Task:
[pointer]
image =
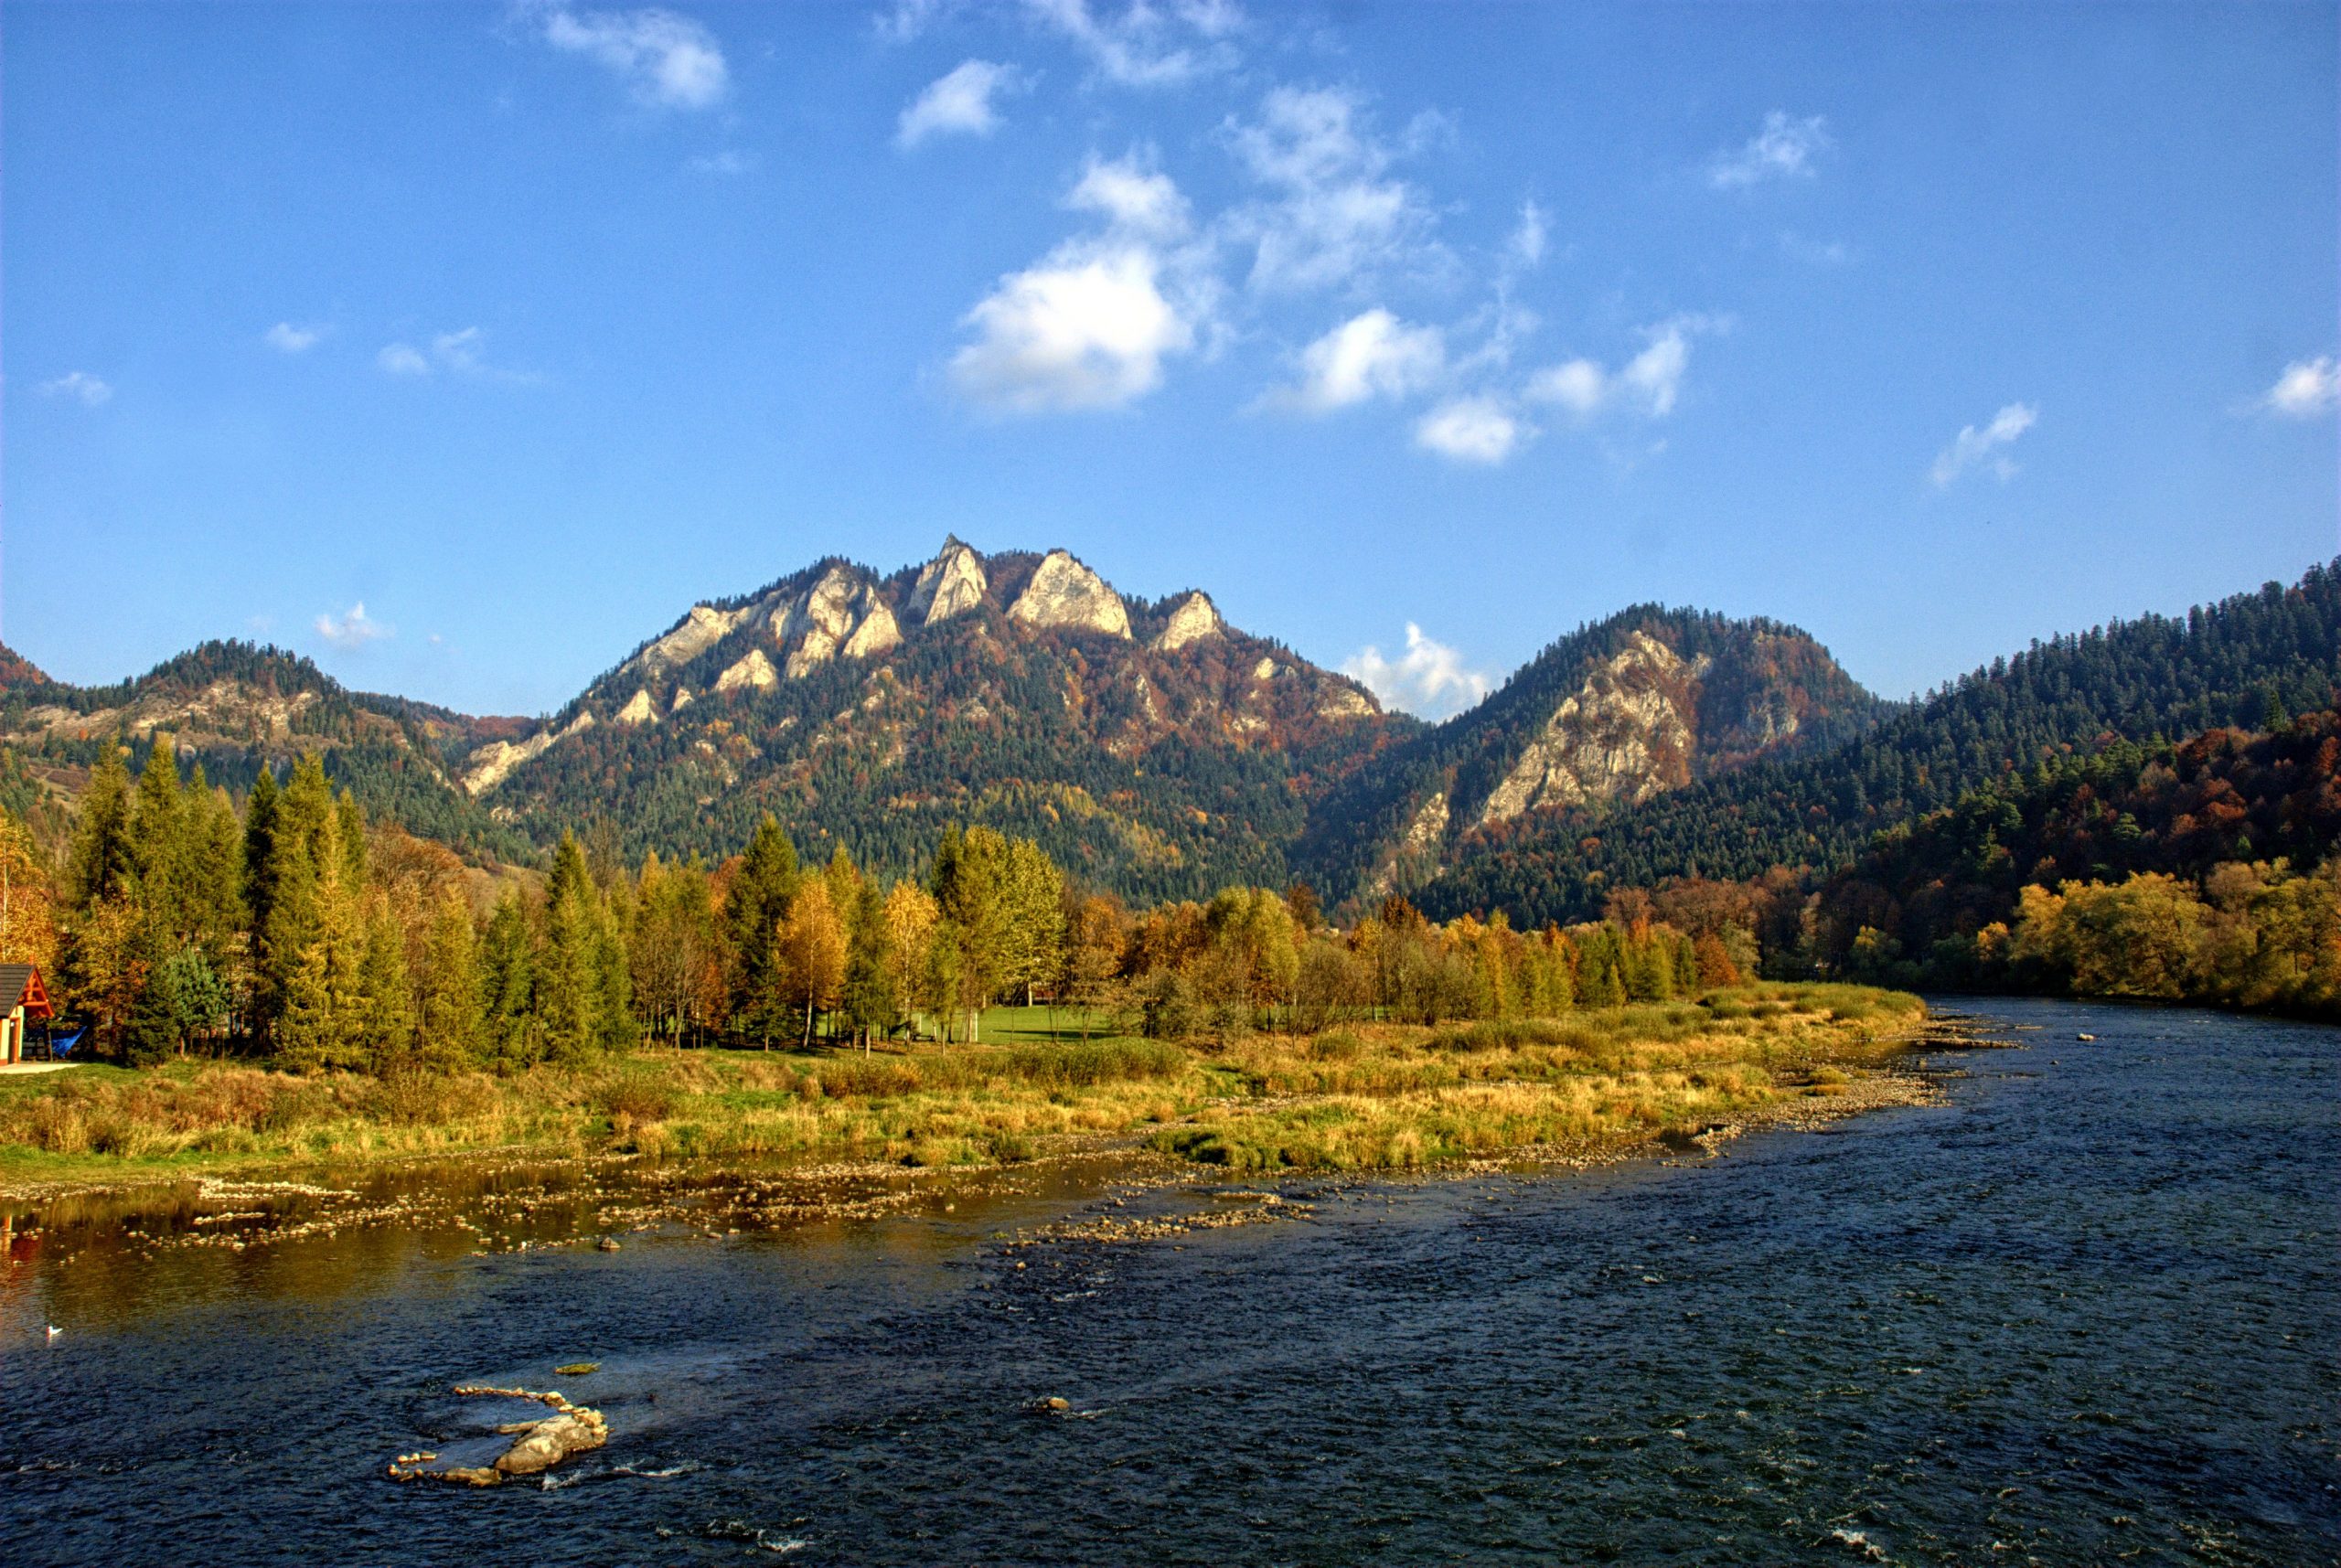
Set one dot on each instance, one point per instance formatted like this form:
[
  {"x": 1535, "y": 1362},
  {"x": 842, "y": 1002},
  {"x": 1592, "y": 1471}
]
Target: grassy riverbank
[{"x": 1362, "y": 1097}]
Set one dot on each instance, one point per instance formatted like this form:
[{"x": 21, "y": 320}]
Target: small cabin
[{"x": 23, "y": 997}]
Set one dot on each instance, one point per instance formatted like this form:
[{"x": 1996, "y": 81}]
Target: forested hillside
[
  {"x": 235, "y": 707},
  {"x": 2201, "y": 870},
  {"x": 2240, "y": 661},
  {"x": 1615, "y": 714},
  {"x": 1147, "y": 746}
]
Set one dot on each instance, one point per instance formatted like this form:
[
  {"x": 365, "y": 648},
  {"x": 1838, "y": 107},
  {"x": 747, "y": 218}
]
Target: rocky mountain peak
[
  {"x": 1193, "y": 619},
  {"x": 1065, "y": 594},
  {"x": 952, "y": 582}
]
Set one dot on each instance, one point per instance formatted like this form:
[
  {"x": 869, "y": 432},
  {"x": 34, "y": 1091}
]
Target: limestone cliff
[
  {"x": 1624, "y": 734},
  {"x": 1194, "y": 619},
  {"x": 950, "y": 584},
  {"x": 1066, "y": 595}
]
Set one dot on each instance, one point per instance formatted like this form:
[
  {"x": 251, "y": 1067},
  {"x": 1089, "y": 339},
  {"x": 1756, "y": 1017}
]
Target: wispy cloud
[
  {"x": 287, "y": 338},
  {"x": 959, "y": 104},
  {"x": 1986, "y": 444},
  {"x": 727, "y": 163},
  {"x": 1479, "y": 429},
  {"x": 2307, "y": 387},
  {"x": 458, "y": 353},
  {"x": 78, "y": 385},
  {"x": 1337, "y": 217},
  {"x": 666, "y": 60},
  {"x": 1648, "y": 384},
  {"x": 1147, "y": 44},
  {"x": 1428, "y": 680},
  {"x": 1089, "y": 325},
  {"x": 1525, "y": 248},
  {"x": 1373, "y": 354},
  {"x": 353, "y": 630},
  {"x": 1784, "y": 149},
  {"x": 909, "y": 20}
]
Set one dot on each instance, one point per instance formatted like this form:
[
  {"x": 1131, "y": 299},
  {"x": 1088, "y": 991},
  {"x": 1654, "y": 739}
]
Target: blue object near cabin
[{"x": 58, "y": 1048}]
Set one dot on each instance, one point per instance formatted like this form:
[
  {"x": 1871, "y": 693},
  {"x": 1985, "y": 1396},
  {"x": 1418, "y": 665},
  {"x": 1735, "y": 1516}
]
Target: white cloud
[
  {"x": 1973, "y": 446},
  {"x": 959, "y": 104},
  {"x": 402, "y": 359},
  {"x": 1087, "y": 328},
  {"x": 1471, "y": 429},
  {"x": 287, "y": 338},
  {"x": 1338, "y": 214},
  {"x": 2307, "y": 387},
  {"x": 1132, "y": 196},
  {"x": 1526, "y": 247},
  {"x": 1649, "y": 384},
  {"x": 1783, "y": 149},
  {"x": 1370, "y": 354},
  {"x": 1148, "y": 45},
  {"x": 353, "y": 630},
  {"x": 81, "y": 386},
  {"x": 666, "y": 62},
  {"x": 1429, "y": 678}
]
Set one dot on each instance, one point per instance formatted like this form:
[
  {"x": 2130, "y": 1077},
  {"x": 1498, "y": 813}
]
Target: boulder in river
[{"x": 533, "y": 1445}]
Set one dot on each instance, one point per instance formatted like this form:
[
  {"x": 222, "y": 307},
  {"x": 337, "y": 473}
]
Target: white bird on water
[{"x": 53, "y": 1332}]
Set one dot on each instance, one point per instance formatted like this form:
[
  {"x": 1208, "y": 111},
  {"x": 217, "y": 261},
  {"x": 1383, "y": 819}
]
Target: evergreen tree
[
  {"x": 508, "y": 987},
  {"x": 103, "y": 861},
  {"x": 384, "y": 1026},
  {"x": 447, "y": 1012},
  {"x": 765, "y": 882}
]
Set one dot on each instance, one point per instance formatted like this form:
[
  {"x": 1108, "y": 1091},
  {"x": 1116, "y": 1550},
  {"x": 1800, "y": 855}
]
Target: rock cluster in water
[{"x": 536, "y": 1446}]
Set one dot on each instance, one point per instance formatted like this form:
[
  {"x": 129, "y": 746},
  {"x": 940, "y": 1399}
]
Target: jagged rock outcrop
[
  {"x": 952, "y": 582},
  {"x": 1626, "y": 733},
  {"x": 842, "y": 613},
  {"x": 1345, "y": 701},
  {"x": 1066, "y": 595},
  {"x": 699, "y": 631},
  {"x": 753, "y": 670},
  {"x": 638, "y": 710},
  {"x": 1413, "y": 858},
  {"x": 493, "y": 763},
  {"x": 1194, "y": 619}
]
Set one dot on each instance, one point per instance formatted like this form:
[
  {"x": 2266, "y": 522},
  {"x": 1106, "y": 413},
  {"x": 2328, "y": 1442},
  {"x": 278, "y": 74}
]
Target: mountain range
[{"x": 1155, "y": 750}]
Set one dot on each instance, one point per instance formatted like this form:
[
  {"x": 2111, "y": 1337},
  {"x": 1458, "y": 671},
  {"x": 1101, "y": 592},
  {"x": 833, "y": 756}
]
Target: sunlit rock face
[
  {"x": 1413, "y": 858},
  {"x": 753, "y": 671},
  {"x": 1065, "y": 595},
  {"x": 1194, "y": 619},
  {"x": 638, "y": 709},
  {"x": 841, "y": 613},
  {"x": 699, "y": 631},
  {"x": 493, "y": 763},
  {"x": 951, "y": 583},
  {"x": 1626, "y": 734}
]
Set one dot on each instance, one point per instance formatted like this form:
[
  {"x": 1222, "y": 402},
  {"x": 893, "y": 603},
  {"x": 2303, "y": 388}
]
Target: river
[{"x": 2083, "y": 1311}]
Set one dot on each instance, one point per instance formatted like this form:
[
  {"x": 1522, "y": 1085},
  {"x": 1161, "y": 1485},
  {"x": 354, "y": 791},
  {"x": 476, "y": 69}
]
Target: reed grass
[{"x": 1356, "y": 1097}]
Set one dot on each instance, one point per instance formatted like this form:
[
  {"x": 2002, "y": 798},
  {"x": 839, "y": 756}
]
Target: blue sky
[{"x": 1931, "y": 329}]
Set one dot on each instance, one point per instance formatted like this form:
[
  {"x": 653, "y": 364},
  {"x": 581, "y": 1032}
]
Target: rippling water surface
[{"x": 2084, "y": 1312}]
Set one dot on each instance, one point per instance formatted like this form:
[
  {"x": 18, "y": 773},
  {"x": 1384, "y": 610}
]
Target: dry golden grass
[{"x": 1363, "y": 1097}]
